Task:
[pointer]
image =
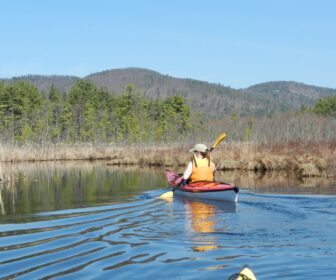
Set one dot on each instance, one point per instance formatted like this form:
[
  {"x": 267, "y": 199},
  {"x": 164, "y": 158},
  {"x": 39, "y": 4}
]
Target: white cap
[{"x": 199, "y": 148}]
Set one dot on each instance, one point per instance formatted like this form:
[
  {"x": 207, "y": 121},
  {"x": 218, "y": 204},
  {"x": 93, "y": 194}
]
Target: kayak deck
[
  {"x": 203, "y": 189},
  {"x": 204, "y": 186}
]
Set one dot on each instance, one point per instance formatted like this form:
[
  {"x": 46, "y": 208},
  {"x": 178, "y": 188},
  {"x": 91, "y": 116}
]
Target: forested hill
[
  {"x": 290, "y": 94},
  {"x": 44, "y": 83},
  {"x": 213, "y": 99}
]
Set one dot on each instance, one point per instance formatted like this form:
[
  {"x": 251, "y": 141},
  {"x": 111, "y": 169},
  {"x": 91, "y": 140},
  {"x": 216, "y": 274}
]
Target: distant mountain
[
  {"x": 43, "y": 83},
  {"x": 292, "y": 88},
  {"x": 290, "y": 94},
  {"x": 214, "y": 100}
]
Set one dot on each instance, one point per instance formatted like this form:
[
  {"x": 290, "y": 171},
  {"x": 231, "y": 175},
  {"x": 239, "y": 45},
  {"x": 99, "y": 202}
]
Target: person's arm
[
  {"x": 213, "y": 166},
  {"x": 188, "y": 171}
]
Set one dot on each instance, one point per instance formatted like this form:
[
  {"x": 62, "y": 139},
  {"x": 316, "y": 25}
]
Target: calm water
[{"x": 91, "y": 221}]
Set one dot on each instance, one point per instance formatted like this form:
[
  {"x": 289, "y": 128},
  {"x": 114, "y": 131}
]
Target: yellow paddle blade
[
  {"x": 219, "y": 139},
  {"x": 167, "y": 195}
]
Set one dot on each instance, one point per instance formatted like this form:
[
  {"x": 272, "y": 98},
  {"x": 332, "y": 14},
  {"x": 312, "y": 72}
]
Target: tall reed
[{"x": 310, "y": 158}]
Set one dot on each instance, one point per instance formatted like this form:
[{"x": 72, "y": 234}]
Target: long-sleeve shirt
[{"x": 188, "y": 171}]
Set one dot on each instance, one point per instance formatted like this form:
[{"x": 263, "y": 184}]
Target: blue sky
[{"x": 237, "y": 43}]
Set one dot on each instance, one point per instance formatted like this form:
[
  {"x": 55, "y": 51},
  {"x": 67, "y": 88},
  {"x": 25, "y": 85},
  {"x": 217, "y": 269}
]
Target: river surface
[{"x": 92, "y": 221}]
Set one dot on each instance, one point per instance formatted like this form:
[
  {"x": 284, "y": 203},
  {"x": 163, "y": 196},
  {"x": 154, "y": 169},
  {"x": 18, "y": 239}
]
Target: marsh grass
[{"x": 306, "y": 159}]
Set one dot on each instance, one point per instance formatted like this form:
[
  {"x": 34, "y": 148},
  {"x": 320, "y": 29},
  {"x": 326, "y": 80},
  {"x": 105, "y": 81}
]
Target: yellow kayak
[{"x": 244, "y": 274}]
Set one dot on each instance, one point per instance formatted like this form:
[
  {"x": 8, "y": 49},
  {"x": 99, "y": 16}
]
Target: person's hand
[{"x": 183, "y": 182}]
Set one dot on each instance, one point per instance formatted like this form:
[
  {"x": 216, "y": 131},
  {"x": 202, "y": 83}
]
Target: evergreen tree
[
  {"x": 326, "y": 106},
  {"x": 88, "y": 114},
  {"x": 18, "y": 104},
  {"x": 81, "y": 98}
]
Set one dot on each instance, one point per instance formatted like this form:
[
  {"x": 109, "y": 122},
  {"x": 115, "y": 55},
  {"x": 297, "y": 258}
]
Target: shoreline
[{"x": 313, "y": 160}]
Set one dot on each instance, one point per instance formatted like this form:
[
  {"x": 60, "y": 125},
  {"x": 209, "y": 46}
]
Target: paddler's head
[{"x": 200, "y": 150}]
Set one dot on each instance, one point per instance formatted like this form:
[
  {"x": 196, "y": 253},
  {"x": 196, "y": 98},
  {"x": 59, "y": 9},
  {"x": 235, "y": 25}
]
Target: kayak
[
  {"x": 245, "y": 273},
  {"x": 203, "y": 189}
]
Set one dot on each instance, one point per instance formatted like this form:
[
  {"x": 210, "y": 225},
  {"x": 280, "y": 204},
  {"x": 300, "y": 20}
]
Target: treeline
[
  {"x": 88, "y": 114},
  {"x": 310, "y": 124},
  {"x": 301, "y": 127}
]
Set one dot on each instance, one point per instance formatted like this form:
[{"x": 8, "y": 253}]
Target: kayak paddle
[{"x": 220, "y": 138}]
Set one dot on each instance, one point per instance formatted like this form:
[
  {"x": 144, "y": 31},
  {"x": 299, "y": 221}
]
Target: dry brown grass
[
  {"x": 306, "y": 159},
  {"x": 57, "y": 152}
]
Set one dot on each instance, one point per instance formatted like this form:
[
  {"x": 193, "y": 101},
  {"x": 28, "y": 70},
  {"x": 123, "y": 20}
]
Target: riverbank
[{"x": 305, "y": 159}]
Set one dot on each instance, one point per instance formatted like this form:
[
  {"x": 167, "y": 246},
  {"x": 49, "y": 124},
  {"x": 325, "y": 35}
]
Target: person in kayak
[{"x": 200, "y": 168}]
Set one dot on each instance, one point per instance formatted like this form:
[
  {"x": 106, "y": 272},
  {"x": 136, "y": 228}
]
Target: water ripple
[{"x": 149, "y": 238}]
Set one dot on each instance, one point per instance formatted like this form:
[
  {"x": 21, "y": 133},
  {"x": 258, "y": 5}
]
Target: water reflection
[
  {"x": 140, "y": 235},
  {"x": 201, "y": 217},
  {"x": 67, "y": 185},
  {"x": 57, "y": 186},
  {"x": 285, "y": 182},
  {"x": 2, "y": 207},
  {"x": 8, "y": 196},
  {"x": 201, "y": 214}
]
